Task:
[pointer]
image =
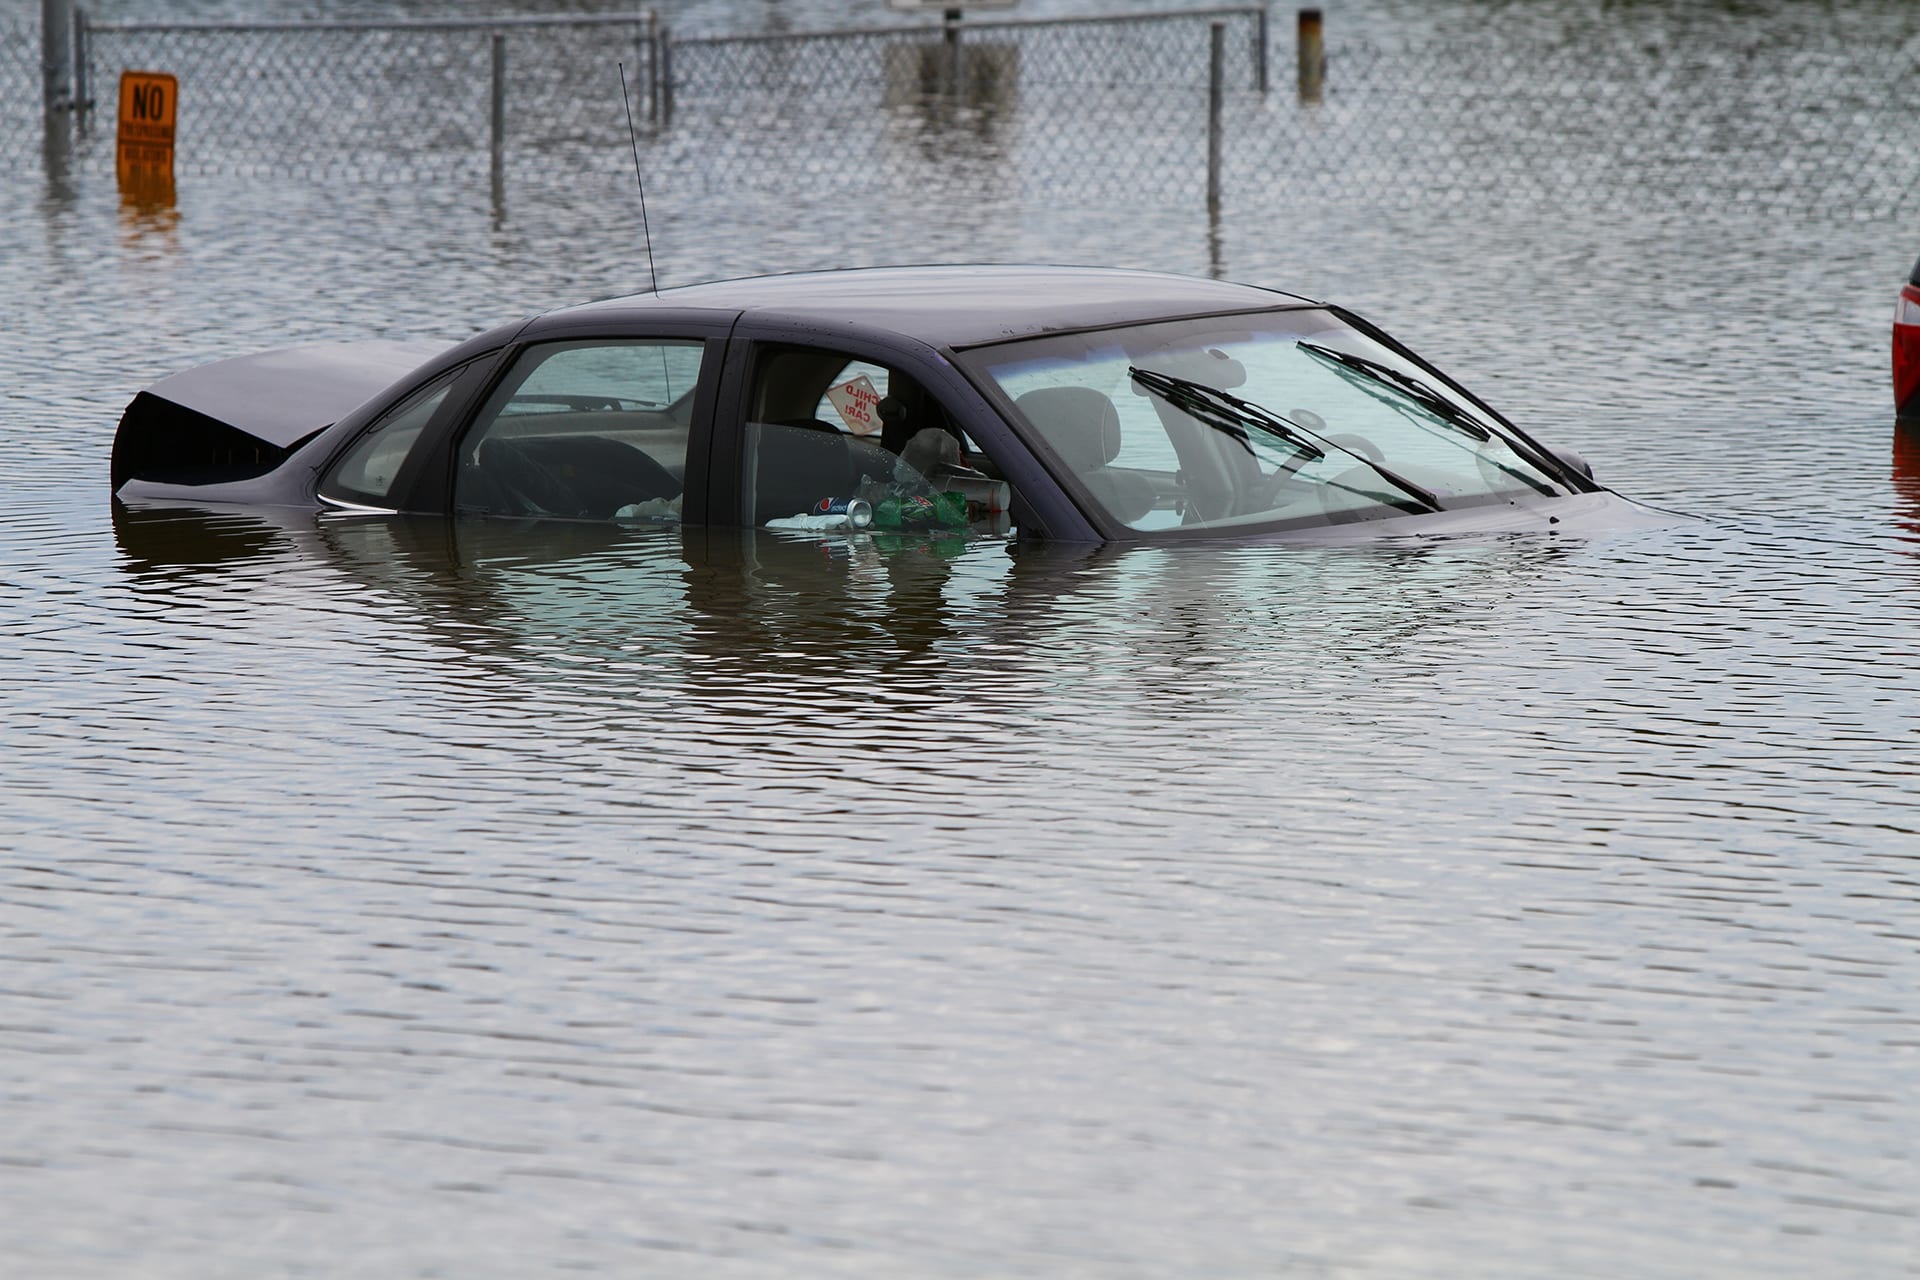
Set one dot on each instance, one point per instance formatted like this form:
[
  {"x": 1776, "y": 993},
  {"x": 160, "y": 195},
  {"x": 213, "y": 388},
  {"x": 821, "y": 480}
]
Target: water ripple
[{"x": 414, "y": 898}]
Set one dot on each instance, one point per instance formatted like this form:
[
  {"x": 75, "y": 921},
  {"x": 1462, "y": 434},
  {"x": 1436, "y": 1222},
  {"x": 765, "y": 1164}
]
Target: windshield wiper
[
  {"x": 1229, "y": 413},
  {"x": 1412, "y": 388},
  {"x": 1408, "y": 385},
  {"x": 1223, "y": 411}
]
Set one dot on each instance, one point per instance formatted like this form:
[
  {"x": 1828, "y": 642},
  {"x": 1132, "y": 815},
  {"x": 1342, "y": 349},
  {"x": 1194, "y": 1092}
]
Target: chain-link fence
[
  {"x": 871, "y": 110},
  {"x": 20, "y": 96},
  {"x": 1824, "y": 128},
  {"x": 1075, "y": 113},
  {"x": 382, "y": 102},
  {"x": 1085, "y": 113}
]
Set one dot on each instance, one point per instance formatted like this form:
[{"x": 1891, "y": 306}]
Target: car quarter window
[
  {"x": 364, "y": 475},
  {"x": 585, "y": 430},
  {"x": 825, "y": 425}
]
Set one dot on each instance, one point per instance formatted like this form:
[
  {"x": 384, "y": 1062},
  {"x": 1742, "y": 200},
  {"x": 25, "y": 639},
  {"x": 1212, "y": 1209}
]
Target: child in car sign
[{"x": 857, "y": 401}]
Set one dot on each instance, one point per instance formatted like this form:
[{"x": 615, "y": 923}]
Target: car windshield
[{"x": 1281, "y": 417}]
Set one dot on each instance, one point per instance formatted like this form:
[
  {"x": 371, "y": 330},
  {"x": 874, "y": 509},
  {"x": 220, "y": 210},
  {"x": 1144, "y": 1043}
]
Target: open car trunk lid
[{"x": 241, "y": 417}]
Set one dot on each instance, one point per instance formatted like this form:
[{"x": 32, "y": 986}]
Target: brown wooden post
[{"x": 1313, "y": 56}]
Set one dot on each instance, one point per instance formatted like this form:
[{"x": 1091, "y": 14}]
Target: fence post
[
  {"x": 652, "y": 37},
  {"x": 1215, "y": 95},
  {"x": 666, "y": 75},
  {"x": 950, "y": 24},
  {"x": 1260, "y": 34},
  {"x": 56, "y": 54},
  {"x": 82, "y": 63},
  {"x": 498, "y": 148},
  {"x": 1313, "y": 56},
  {"x": 56, "y": 84}
]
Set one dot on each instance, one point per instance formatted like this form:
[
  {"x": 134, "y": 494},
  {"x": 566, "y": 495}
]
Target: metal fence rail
[{"x": 1074, "y": 112}]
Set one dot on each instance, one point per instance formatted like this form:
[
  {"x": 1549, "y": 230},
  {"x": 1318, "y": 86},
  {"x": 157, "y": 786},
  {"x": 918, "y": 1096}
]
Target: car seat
[{"x": 1083, "y": 428}]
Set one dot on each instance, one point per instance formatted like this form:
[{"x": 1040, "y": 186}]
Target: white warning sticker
[{"x": 857, "y": 401}]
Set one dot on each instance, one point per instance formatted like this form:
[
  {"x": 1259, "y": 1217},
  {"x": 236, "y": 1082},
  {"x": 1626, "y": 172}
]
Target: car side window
[
  {"x": 364, "y": 475},
  {"x": 824, "y": 426},
  {"x": 585, "y": 430}
]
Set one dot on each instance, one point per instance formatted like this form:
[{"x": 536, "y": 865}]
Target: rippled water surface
[{"x": 403, "y": 898}]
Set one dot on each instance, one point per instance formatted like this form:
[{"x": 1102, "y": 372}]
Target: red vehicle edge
[{"x": 1906, "y": 350}]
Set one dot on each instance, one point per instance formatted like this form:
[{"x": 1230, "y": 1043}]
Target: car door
[
  {"x": 609, "y": 425},
  {"x": 804, "y": 419}
]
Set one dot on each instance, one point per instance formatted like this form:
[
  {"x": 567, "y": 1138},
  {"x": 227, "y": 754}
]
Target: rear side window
[{"x": 364, "y": 476}]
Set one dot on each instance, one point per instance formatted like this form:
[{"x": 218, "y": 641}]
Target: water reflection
[
  {"x": 596, "y": 593},
  {"x": 56, "y": 154},
  {"x": 166, "y": 548},
  {"x": 1906, "y": 482},
  {"x": 150, "y": 221},
  {"x": 488, "y": 900}
]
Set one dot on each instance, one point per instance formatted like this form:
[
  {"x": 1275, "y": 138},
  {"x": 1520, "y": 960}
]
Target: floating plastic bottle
[{"x": 922, "y": 511}]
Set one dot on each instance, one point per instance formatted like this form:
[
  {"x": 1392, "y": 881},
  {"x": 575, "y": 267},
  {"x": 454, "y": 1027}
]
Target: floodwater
[{"x": 413, "y": 899}]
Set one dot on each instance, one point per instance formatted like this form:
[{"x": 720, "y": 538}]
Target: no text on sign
[{"x": 148, "y": 101}]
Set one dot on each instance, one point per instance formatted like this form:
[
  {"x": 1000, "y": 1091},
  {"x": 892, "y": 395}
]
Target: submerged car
[{"x": 1057, "y": 403}]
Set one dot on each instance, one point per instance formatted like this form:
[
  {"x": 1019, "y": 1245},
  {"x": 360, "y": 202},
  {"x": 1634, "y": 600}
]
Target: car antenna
[{"x": 653, "y": 276}]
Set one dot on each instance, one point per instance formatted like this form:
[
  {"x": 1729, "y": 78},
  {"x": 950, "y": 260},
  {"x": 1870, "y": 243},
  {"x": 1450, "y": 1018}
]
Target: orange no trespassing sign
[{"x": 148, "y": 101}]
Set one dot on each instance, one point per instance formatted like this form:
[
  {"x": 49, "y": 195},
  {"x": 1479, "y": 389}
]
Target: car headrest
[{"x": 1080, "y": 423}]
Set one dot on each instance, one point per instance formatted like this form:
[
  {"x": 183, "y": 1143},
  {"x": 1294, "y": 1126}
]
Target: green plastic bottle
[{"x": 921, "y": 511}]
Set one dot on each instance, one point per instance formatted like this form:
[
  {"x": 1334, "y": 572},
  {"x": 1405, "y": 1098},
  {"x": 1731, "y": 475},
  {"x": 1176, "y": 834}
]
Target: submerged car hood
[{"x": 285, "y": 395}]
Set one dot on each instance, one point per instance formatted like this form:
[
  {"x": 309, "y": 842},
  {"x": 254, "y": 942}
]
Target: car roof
[{"x": 954, "y": 306}]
